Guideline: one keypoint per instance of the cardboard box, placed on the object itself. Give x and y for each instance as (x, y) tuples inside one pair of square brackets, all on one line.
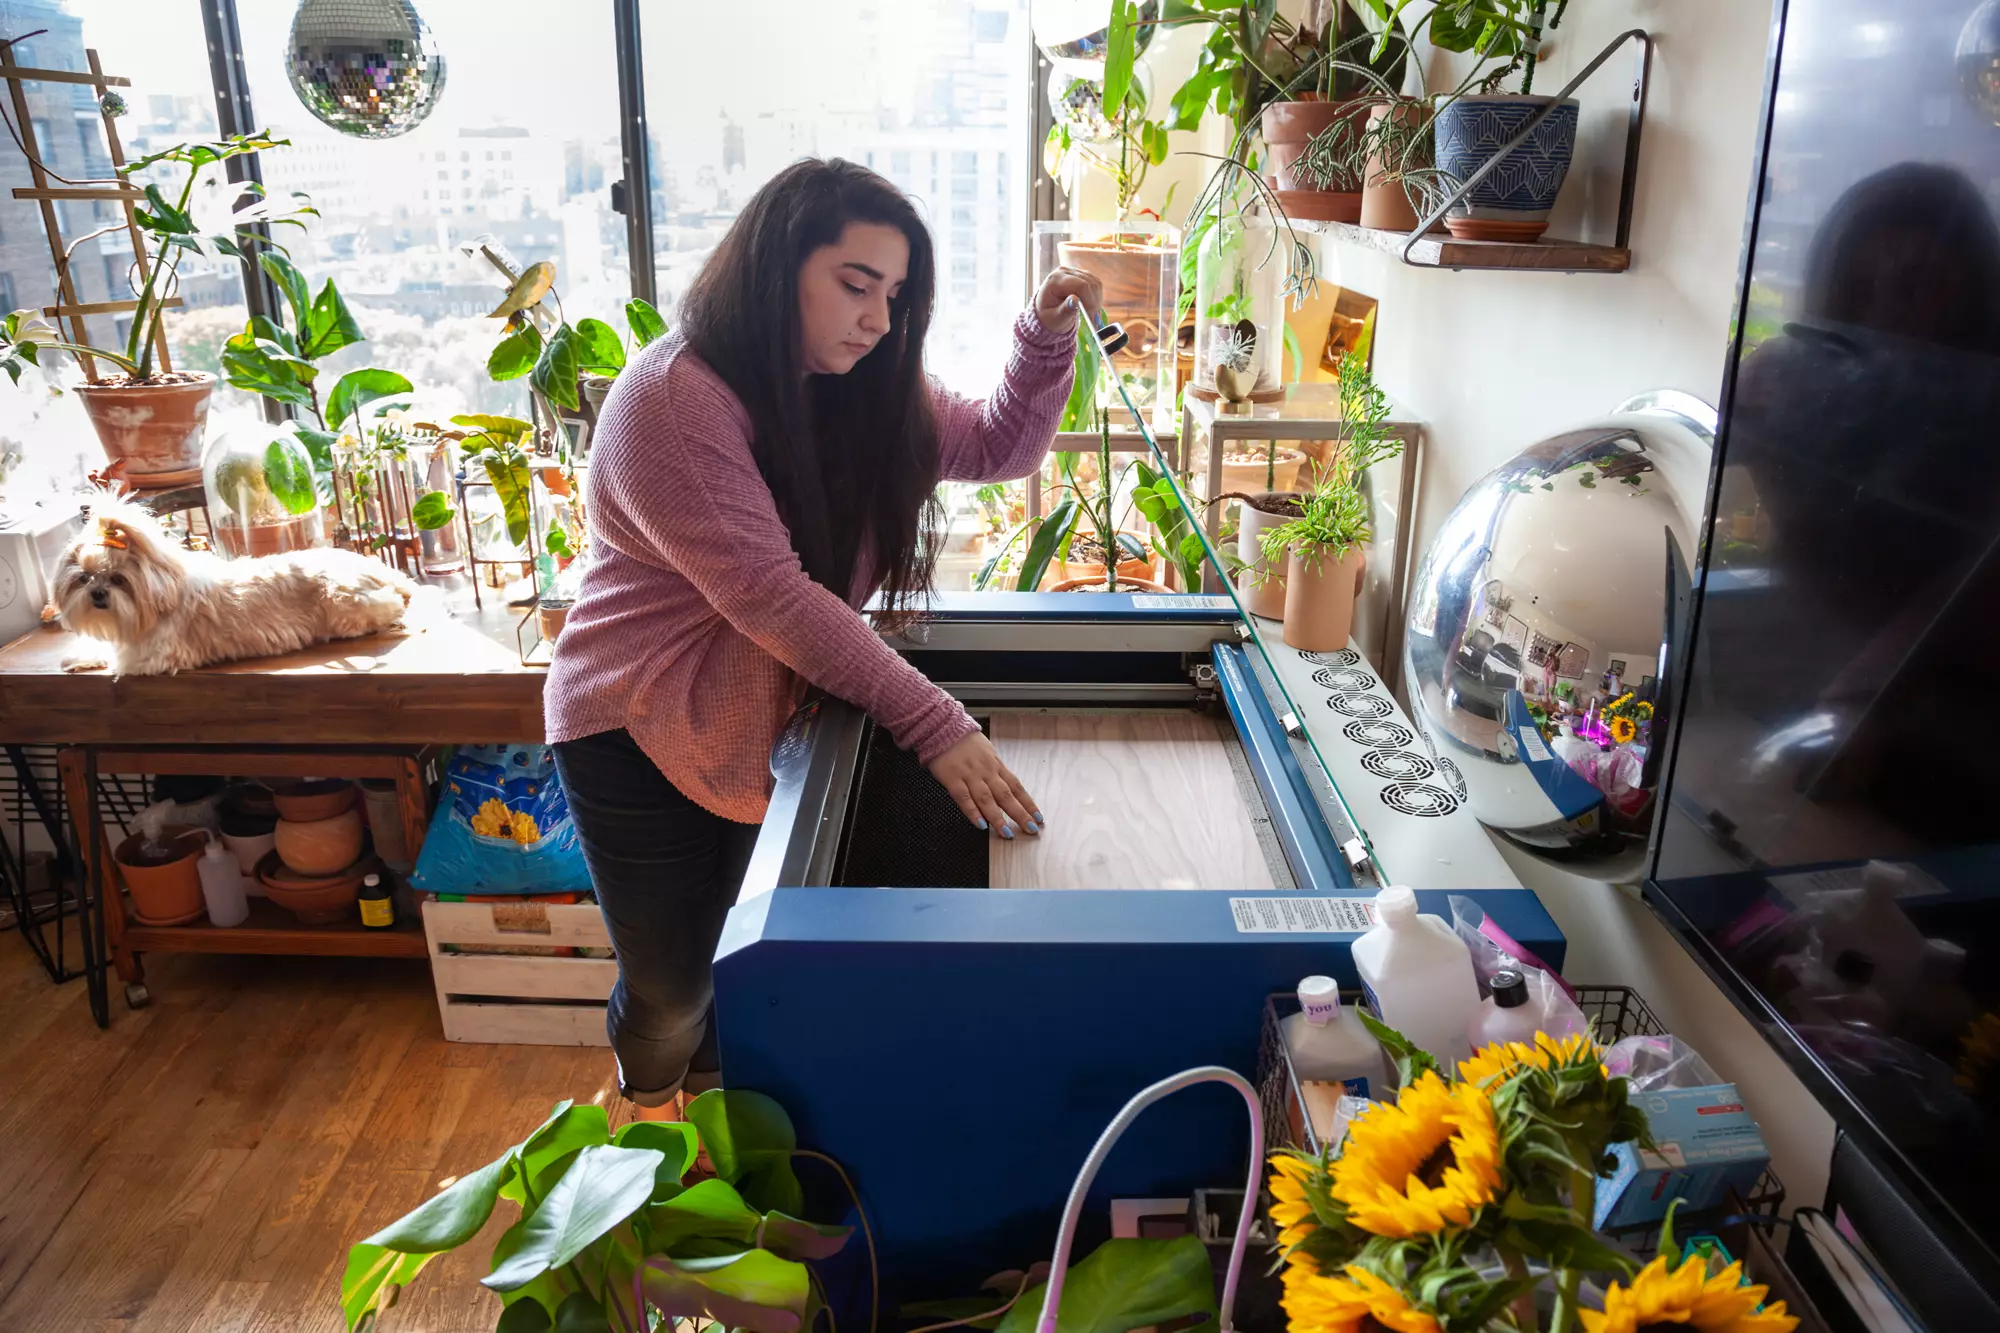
[(1706, 1146)]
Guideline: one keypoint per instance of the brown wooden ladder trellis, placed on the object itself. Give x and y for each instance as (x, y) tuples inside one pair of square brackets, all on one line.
[(68, 304)]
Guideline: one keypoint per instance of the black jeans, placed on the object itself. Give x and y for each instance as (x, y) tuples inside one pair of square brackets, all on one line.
[(666, 873)]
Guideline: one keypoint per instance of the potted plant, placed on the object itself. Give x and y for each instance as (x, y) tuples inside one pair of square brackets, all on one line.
[(1248, 263), (1321, 548), (1508, 205), (152, 422), (612, 1235), (1328, 113), (262, 499), (568, 366), (280, 359)]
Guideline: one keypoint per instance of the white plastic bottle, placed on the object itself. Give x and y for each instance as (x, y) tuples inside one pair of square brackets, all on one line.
[(1418, 975), (1870, 920), (1506, 1014), (1328, 1044), (222, 885)]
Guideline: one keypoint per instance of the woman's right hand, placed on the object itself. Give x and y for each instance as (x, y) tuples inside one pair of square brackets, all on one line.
[(990, 796)]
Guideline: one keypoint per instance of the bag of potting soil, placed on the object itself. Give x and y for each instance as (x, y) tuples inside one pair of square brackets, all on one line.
[(502, 826)]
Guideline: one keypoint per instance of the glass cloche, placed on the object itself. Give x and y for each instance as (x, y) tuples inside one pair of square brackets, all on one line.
[(261, 495)]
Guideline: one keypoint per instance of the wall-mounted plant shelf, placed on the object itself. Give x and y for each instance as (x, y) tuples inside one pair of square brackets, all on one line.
[(1440, 249)]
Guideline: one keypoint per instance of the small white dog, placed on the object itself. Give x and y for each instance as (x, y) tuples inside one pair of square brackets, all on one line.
[(163, 609)]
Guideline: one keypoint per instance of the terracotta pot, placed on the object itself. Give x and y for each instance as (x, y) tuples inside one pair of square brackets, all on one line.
[(1262, 592), (1385, 204), (322, 798), (299, 533), (1319, 601), (554, 480), (169, 894), (1063, 570), (153, 430), (1290, 126), (322, 846), (317, 900), (552, 617), (1097, 585), (385, 818)]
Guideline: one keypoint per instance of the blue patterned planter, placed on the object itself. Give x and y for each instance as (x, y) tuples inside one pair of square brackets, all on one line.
[(1513, 202)]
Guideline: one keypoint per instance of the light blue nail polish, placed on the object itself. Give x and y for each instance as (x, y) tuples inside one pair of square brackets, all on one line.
[(982, 826), (1006, 830)]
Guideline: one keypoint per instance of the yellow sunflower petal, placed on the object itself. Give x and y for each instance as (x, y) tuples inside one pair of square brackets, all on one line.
[(1688, 1296), (1428, 1162)]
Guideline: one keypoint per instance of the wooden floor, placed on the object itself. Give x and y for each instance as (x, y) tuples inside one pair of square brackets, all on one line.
[(1134, 800), (203, 1166)]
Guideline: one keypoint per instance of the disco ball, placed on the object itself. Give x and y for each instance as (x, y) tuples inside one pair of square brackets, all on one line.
[(1080, 30), (1978, 58), (369, 68), (1533, 655), (1077, 100)]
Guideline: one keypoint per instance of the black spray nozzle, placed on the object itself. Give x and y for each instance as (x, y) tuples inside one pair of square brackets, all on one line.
[(1111, 337)]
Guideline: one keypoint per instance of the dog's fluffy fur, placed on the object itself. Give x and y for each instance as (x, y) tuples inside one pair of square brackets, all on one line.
[(162, 609)]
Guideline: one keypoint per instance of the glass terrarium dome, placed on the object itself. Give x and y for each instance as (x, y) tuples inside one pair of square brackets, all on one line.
[(262, 499)]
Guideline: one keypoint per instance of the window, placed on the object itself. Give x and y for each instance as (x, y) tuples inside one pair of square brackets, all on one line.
[(963, 240), (965, 187), (7, 292), (921, 84), (964, 215), (965, 266)]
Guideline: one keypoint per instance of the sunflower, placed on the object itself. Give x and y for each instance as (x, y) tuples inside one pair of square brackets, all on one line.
[(1291, 1210), (1430, 1161), (1503, 1057), (1688, 1299), (1352, 1303), (1623, 729)]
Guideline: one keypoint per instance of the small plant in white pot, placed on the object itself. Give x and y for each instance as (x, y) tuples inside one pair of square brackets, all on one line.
[(1321, 550)]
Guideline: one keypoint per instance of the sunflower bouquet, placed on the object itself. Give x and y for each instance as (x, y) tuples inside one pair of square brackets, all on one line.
[(1465, 1206)]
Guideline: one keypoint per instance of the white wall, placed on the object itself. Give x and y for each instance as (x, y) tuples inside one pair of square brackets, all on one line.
[(1493, 362)]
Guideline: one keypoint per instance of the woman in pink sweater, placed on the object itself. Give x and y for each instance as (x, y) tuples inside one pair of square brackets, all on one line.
[(756, 476)]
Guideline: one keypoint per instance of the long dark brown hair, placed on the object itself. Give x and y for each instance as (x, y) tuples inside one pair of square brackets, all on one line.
[(850, 459)]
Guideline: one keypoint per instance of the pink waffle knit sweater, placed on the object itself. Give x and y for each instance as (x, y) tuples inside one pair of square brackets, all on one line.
[(696, 623)]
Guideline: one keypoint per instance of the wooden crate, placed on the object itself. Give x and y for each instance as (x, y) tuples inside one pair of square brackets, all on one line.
[(519, 999)]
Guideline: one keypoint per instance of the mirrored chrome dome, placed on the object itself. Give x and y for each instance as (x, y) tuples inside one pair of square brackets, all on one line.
[(1539, 616)]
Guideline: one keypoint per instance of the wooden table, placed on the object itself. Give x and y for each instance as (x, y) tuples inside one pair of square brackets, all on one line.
[(375, 707)]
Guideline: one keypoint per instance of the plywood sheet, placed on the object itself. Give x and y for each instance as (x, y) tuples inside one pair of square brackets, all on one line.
[(1133, 800)]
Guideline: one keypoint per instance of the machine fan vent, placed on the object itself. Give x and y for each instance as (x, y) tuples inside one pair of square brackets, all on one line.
[(1398, 764), (1346, 657), (1386, 735), (1345, 679), (1360, 705), (1419, 798)]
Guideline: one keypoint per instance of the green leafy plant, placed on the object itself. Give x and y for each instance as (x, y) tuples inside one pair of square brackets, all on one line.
[(171, 233), (1137, 142), (279, 358), (1507, 34), (1333, 515), (1120, 1285), (610, 1233), (494, 444), (539, 341)]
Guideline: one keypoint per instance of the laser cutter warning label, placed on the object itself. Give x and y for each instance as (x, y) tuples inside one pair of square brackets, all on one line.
[(1296, 914)]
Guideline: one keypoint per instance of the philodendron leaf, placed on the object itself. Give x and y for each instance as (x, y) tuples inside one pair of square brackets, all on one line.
[(512, 484), (1124, 1284), (396, 1253), (645, 321), (756, 1290), (1055, 531), (514, 355), (561, 1135), (358, 388), (288, 472), (525, 1317), (433, 509), (751, 1141), (557, 367), (672, 1139), (504, 430), (790, 1238), (710, 1209), (581, 1314), (598, 348), (601, 1188)]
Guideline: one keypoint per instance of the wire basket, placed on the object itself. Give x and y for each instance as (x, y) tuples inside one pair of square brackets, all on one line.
[(1618, 1013)]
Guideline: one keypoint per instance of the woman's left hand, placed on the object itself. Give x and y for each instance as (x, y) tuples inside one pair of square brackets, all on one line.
[(1061, 293)]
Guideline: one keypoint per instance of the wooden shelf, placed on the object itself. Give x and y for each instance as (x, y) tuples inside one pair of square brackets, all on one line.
[(1440, 249), (272, 929)]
